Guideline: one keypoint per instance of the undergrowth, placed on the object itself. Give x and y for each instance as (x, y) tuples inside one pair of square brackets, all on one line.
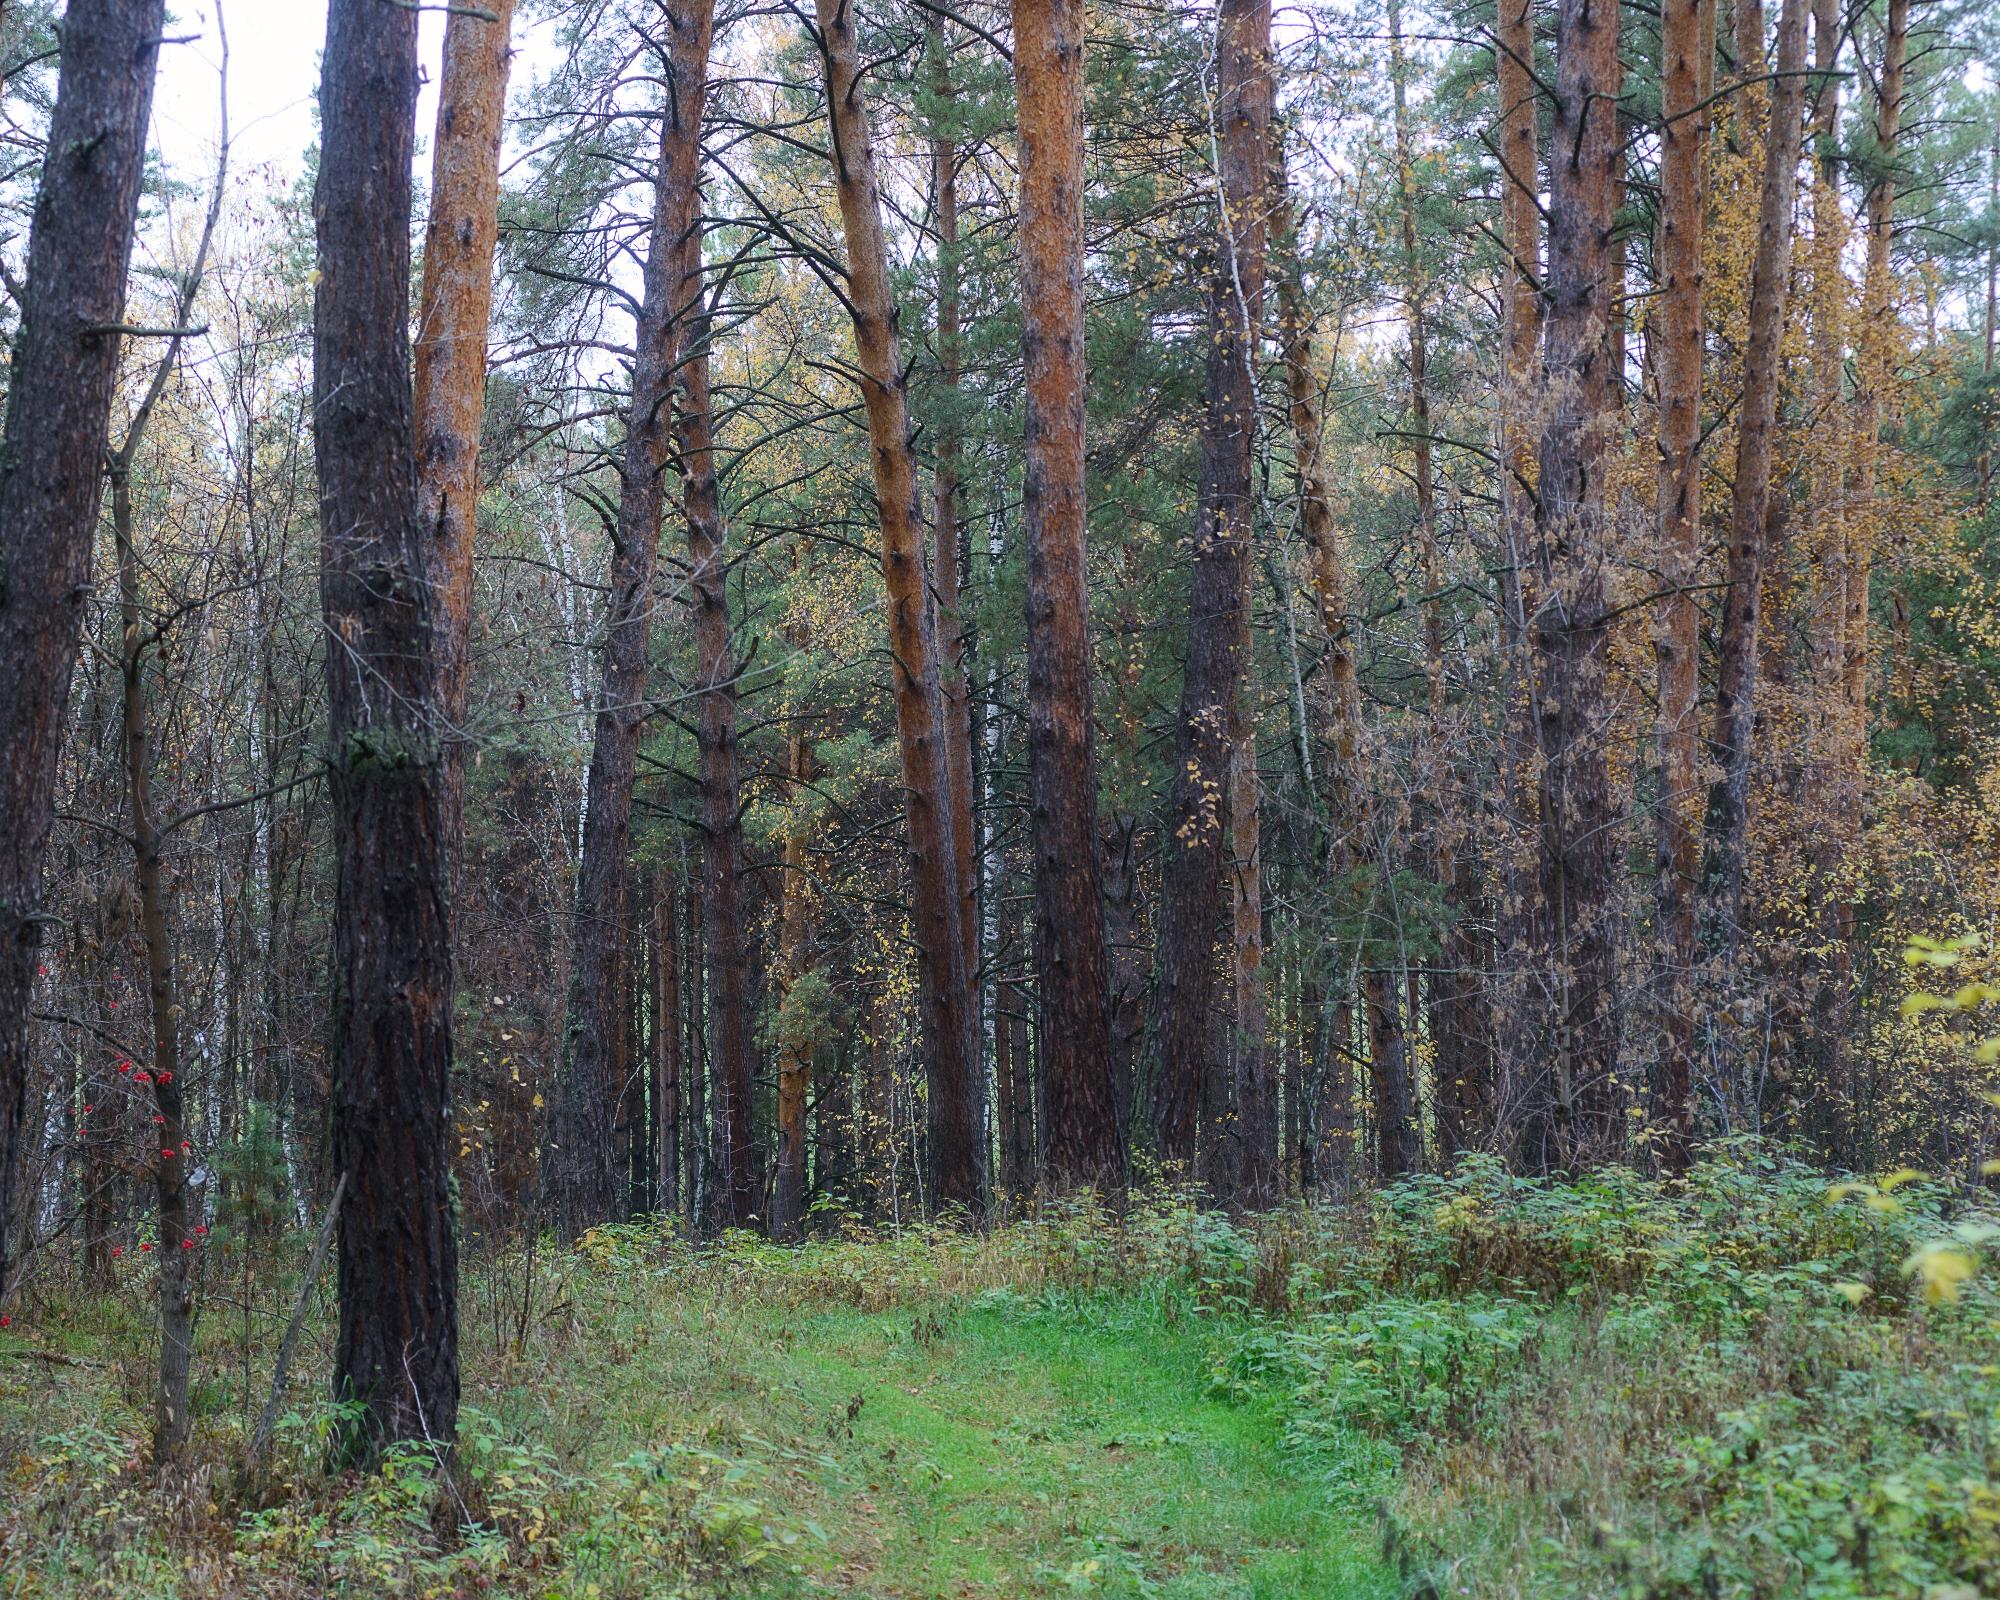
[(1755, 1384)]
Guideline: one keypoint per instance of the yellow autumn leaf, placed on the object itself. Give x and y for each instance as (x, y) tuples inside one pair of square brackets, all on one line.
[(538, 1102), (1987, 1054), (1898, 1178), (1915, 1005), (1883, 1203), (1941, 1269), (1846, 1191), (1853, 1293)]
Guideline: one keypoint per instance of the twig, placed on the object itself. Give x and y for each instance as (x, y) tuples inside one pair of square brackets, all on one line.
[(260, 1440)]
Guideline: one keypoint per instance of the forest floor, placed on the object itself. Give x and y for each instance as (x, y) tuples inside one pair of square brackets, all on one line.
[(1756, 1383), (1001, 1446)]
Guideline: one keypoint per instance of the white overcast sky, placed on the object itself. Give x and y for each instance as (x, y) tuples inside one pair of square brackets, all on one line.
[(274, 48)]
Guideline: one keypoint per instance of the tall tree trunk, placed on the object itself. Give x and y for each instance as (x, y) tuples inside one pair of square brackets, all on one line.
[(1453, 1052), (1521, 1003), (453, 314), (1185, 1070), (396, 1355), (1085, 1140), (664, 1038), (1986, 359), (795, 1043), (694, 1074), (1749, 514), (738, 1172), (947, 541), (1828, 775), (1570, 622), (1875, 356), (1254, 1180), (956, 1097), (1677, 355), (584, 1174), (64, 370)]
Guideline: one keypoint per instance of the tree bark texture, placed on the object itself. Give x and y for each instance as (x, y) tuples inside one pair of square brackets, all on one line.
[(1677, 353), (956, 1099), (59, 388), (1750, 502), (738, 1172), (1185, 1068), (396, 1354), (1579, 904), (1522, 1002), (454, 311), (583, 1176), (1085, 1138)]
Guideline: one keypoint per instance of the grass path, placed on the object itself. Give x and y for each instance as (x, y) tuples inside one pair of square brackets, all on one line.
[(1012, 1450)]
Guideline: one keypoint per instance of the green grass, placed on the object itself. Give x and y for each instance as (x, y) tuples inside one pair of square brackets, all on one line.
[(1015, 1449), (905, 1418)]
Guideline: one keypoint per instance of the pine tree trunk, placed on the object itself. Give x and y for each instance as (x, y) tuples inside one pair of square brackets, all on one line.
[(664, 1038), (396, 1354), (1828, 776), (795, 1049), (1570, 623), (582, 1171), (738, 1171), (452, 319), (1522, 1006), (956, 1099), (1085, 1140), (1737, 663), (1875, 355), (1186, 1074), (947, 542), (1677, 353), (63, 374)]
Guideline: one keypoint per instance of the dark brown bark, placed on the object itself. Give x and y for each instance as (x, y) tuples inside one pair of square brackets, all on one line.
[(1254, 1183), (738, 1171), (1579, 903), (694, 1076), (796, 1045), (59, 388), (1737, 661), (956, 1098), (1828, 960), (947, 538), (1677, 357), (1085, 1140), (583, 1172), (1875, 353), (396, 1355), (665, 1038), (1390, 1089), (1521, 1000), (454, 311), (1186, 1073)]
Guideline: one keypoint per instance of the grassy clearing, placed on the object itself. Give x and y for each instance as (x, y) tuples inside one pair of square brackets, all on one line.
[(1753, 1386), (923, 1416)]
